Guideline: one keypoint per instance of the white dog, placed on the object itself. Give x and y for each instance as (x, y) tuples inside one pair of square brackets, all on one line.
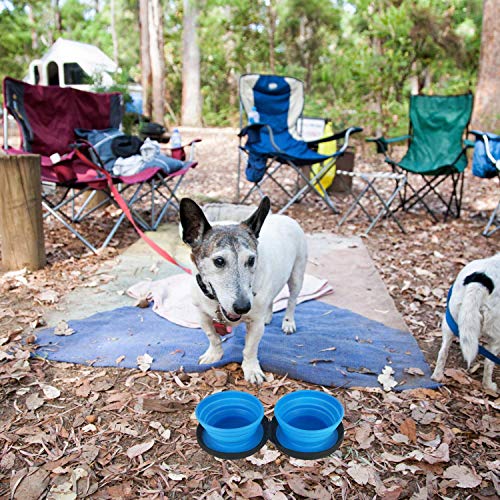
[(475, 307), (241, 267)]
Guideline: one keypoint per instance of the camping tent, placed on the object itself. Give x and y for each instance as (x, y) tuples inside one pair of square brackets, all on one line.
[(80, 65), (72, 64)]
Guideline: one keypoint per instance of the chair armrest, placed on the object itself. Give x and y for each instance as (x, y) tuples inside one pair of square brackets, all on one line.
[(255, 129), (383, 142), (252, 127), (185, 145), (339, 135)]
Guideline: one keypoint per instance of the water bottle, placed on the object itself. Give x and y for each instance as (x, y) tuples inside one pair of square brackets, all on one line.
[(175, 139), (253, 116)]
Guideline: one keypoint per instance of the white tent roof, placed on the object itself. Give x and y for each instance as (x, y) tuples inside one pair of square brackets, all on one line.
[(92, 59)]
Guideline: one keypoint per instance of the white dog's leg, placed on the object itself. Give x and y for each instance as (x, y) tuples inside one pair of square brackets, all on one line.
[(443, 352), (493, 347), (214, 352), (251, 367), (269, 315), (294, 287)]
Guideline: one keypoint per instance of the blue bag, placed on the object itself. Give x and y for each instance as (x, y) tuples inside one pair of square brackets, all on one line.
[(102, 141), (482, 164)]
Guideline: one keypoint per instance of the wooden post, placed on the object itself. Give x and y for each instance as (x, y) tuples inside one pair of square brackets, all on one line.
[(21, 224)]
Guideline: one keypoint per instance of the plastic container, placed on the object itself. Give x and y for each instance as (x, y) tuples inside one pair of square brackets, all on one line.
[(253, 116), (306, 425), (175, 139), (308, 421), (231, 422)]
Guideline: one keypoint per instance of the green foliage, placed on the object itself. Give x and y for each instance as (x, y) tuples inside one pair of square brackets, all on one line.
[(358, 59)]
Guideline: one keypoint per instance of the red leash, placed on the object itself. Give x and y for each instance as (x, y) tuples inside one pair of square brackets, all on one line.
[(220, 328), (126, 210)]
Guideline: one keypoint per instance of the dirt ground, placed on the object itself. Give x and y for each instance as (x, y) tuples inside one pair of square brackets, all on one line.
[(76, 431)]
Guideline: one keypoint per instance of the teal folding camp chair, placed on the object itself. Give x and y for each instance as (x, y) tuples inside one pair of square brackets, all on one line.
[(436, 151)]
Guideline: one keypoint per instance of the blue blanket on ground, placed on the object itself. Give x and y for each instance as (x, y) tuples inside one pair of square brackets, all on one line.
[(332, 346)]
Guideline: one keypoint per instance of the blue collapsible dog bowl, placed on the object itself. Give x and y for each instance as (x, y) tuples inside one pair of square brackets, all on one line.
[(231, 424), (308, 423)]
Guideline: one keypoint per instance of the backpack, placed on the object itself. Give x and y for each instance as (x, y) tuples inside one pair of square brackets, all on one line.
[(482, 164)]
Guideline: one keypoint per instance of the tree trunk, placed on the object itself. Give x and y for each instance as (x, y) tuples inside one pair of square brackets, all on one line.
[(21, 227), (34, 34), (114, 36), (486, 114), (191, 87), (145, 58), (271, 15), (157, 54)]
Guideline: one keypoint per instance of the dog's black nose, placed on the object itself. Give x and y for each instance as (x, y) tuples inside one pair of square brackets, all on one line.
[(241, 306)]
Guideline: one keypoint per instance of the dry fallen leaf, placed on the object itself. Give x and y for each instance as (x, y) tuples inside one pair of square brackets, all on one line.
[(144, 362), (139, 449), (33, 401), (63, 329), (465, 476), (48, 296), (409, 428), (268, 456), (119, 359), (360, 473), (364, 436), (50, 391), (386, 378), (29, 485), (457, 375), (414, 371), (176, 477)]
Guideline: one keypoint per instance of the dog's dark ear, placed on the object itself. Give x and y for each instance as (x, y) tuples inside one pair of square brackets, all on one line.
[(255, 221), (193, 221)]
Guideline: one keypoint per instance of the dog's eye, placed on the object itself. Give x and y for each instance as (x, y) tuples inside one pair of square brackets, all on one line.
[(219, 262), (251, 261)]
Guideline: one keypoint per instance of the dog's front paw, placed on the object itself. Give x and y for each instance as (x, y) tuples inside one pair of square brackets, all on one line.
[(288, 325), (438, 375), (211, 355), (491, 387), (253, 373)]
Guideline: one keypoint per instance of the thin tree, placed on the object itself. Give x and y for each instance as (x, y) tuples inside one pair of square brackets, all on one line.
[(114, 36), (191, 86), (487, 101), (145, 58), (157, 55), (271, 33)]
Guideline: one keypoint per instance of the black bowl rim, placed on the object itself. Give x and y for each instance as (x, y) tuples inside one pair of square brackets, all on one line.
[(305, 455), (237, 455)]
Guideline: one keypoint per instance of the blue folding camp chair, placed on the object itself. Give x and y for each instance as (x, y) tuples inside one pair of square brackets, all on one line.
[(275, 141), (486, 164)]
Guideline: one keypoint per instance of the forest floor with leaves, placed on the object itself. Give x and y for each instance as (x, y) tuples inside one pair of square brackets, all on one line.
[(72, 431)]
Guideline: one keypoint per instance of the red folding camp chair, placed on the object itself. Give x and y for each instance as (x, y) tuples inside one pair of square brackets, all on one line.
[(47, 118)]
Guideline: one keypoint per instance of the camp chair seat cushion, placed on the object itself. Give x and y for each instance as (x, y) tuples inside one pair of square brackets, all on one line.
[(289, 148), (430, 170)]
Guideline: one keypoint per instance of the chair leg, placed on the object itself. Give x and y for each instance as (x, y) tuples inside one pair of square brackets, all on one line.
[(386, 205), (309, 186), (58, 216), (386, 210)]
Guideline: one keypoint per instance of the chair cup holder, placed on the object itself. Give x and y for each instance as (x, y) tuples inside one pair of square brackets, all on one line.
[(311, 425)]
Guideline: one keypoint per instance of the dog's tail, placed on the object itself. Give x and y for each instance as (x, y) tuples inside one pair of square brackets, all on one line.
[(477, 287)]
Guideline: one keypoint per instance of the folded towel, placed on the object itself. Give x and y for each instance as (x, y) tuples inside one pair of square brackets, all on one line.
[(171, 297)]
